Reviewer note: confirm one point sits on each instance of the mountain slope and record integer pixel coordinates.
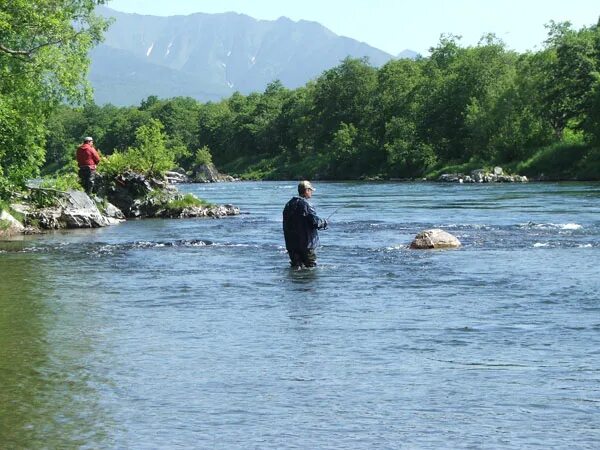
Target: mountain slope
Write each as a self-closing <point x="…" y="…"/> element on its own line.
<point x="210" y="56"/>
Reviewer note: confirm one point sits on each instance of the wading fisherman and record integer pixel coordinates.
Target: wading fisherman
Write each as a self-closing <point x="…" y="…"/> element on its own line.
<point x="300" y="225"/>
<point x="87" y="159"/>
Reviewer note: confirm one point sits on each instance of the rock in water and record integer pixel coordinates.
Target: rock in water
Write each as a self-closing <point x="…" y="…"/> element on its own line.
<point x="435" y="238"/>
<point x="208" y="173"/>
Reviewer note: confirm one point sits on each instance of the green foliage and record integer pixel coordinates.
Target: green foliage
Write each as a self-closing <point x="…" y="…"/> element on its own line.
<point x="202" y="156"/>
<point x="562" y="161"/>
<point x="64" y="182"/>
<point x="150" y="155"/>
<point x="118" y="163"/>
<point x="42" y="198"/>
<point x="154" y="158"/>
<point x="187" y="201"/>
<point x="43" y="61"/>
<point x="460" y="109"/>
<point x="407" y="156"/>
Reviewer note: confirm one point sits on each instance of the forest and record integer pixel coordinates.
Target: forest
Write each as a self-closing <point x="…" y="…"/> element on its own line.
<point x="462" y="107"/>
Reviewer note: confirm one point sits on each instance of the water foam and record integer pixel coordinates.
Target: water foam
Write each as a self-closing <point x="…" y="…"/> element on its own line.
<point x="552" y="226"/>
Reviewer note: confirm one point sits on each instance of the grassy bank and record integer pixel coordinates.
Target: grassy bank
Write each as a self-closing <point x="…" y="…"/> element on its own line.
<point x="575" y="162"/>
<point x="558" y="162"/>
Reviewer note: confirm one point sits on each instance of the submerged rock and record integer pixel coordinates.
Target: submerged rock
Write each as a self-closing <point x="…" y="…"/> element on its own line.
<point x="434" y="238"/>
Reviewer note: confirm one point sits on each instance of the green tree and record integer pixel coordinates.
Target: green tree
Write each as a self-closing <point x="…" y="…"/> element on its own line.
<point x="566" y="75"/>
<point x="343" y="151"/>
<point x="120" y="132"/>
<point x="463" y="87"/>
<point x="343" y="95"/>
<point x="180" y="117"/>
<point x="43" y="62"/>
<point x="63" y="126"/>
<point x="407" y="155"/>
<point x="398" y="101"/>
<point x="215" y="130"/>
<point x="150" y="145"/>
<point x="149" y="155"/>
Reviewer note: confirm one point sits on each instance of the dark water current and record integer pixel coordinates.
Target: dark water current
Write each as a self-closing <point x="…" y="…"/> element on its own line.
<point x="196" y="334"/>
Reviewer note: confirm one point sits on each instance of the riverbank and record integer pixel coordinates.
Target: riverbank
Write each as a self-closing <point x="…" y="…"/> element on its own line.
<point x="128" y="196"/>
<point x="558" y="162"/>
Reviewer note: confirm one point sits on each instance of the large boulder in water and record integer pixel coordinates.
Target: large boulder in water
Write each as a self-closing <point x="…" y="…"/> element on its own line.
<point x="208" y="173"/>
<point x="435" y="238"/>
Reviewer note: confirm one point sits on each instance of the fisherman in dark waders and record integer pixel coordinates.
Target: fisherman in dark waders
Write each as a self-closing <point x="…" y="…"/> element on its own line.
<point x="300" y="225"/>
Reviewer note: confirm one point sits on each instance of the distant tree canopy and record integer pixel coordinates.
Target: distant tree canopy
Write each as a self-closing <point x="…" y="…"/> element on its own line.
<point x="482" y="104"/>
<point x="43" y="62"/>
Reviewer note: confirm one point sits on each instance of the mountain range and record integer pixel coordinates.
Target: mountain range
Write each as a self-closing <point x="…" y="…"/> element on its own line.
<point x="211" y="56"/>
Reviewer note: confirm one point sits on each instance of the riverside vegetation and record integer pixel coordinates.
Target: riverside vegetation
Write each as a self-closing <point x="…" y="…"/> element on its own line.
<point x="459" y="109"/>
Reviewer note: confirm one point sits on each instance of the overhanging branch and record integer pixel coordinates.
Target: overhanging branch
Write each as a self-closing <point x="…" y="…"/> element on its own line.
<point x="12" y="52"/>
<point x="29" y="53"/>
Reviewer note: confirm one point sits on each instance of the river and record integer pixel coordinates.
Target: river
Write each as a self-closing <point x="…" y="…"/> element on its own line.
<point x="197" y="334"/>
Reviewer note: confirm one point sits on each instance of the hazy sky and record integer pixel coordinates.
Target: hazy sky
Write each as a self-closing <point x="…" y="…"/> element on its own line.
<point x="395" y="25"/>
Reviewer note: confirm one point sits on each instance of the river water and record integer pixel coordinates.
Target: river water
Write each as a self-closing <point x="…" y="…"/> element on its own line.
<point x="197" y="334"/>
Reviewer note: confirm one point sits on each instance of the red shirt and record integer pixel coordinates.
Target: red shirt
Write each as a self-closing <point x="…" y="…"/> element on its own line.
<point x="87" y="156"/>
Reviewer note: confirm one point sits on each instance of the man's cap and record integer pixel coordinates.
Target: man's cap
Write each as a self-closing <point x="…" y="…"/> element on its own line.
<point x="304" y="185"/>
<point x="88" y="138"/>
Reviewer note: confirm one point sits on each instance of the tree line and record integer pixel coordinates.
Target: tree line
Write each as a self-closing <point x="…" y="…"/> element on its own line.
<point x="461" y="107"/>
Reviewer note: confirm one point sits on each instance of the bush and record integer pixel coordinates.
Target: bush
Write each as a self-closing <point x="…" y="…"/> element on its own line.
<point x="118" y="163"/>
<point x="202" y="156"/>
<point x="187" y="201"/>
<point x="65" y="182"/>
<point x="150" y="156"/>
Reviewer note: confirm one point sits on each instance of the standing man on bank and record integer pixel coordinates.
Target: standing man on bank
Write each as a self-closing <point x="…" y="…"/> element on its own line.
<point x="87" y="159"/>
<point x="300" y="225"/>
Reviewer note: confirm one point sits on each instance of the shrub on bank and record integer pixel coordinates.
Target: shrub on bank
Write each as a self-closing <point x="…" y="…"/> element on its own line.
<point x="562" y="162"/>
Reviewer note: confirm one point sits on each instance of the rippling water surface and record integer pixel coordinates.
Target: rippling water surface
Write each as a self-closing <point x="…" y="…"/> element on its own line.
<point x="197" y="334"/>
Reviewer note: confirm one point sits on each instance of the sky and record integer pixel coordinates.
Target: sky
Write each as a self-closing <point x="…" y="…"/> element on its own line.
<point x="396" y="25"/>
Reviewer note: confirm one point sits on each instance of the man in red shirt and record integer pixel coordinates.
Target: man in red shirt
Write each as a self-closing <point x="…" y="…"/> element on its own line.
<point x="87" y="159"/>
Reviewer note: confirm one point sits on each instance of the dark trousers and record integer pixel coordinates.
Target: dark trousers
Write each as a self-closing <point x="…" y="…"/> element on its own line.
<point x="87" y="176"/>
<point x="306" y="257"/>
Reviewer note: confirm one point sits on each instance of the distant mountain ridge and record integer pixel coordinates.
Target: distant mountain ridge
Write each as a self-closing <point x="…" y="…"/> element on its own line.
<point x="210" y="56"/>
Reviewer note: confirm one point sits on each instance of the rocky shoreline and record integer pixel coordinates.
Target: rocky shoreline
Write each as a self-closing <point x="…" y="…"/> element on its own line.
<point x="129" y="196"/>
<point x="497" y="175"/>
<point x="205" y="173"/>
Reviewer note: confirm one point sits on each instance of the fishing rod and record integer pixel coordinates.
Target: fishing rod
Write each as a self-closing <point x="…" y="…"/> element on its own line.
<point x="336" y="210"/>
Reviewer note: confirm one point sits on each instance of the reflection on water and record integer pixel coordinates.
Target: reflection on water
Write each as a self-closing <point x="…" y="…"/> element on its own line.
<point x="47" y="395"/>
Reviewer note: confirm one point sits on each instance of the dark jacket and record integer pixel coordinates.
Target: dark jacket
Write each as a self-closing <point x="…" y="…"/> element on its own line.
<point x="87" y="156"/>
<point x="300" y="225"/>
